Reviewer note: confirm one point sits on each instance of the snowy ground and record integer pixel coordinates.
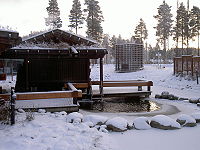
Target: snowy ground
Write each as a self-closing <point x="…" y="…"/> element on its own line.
<point x="52" y="132"/>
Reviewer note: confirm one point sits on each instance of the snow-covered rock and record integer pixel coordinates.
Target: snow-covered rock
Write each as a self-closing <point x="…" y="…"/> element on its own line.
<point x="95" y="119"/>
<point x="41" y="110"/>
<point x="21" y="111"/>
<point x="74" y="117"/>
<point x="186" y="120"/>
<point x="164" y="122"/>
<point x="194" y="100"/>
<point x="196" y="116"/>
<point x="117" y="124"/>
<point x="89" y="123"/>
<point x="103" y="129"/>
<point x="141" y="123"/>
<point x="165" y="94"/>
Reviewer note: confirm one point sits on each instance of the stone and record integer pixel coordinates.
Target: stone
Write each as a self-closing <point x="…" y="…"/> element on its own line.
<point x="182" y="99"/>
<point x="165" y="94"/>
<point x="194" y="100"/>
<point x="141" y="123"/>
<point x="196" y="116"/>
<point x="186" y="121"/>
<point x="95" y="119"/>
<point x="164" y="122"/>
<point x="117" y="124"/>
<point x="157" y="96"/>
<point x="171" y="97"/>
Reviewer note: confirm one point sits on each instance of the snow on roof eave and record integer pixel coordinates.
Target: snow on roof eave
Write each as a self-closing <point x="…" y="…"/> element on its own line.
<point x="8" y="30"/>
<point x="41" y="33"/>
<point x="129" y="43"/>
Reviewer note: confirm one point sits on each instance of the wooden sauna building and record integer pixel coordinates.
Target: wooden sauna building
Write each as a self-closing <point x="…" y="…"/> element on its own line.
<point x="53" y="58"/>
<point x="129" y="57"/>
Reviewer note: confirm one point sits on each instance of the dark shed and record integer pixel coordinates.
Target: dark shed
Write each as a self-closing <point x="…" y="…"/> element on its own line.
<point x="53" y="58"/>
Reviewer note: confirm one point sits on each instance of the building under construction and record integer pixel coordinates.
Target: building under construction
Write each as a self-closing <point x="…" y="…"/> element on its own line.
<point x="129" y="57"/>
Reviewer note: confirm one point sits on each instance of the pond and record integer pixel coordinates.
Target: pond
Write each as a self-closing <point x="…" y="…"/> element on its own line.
<point x="128" y="105"/>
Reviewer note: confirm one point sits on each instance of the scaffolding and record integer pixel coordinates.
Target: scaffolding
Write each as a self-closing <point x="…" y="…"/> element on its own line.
<point x="129" y="57"/>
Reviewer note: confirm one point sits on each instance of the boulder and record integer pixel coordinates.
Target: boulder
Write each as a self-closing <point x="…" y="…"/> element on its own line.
<point x="141" y="123"/>
<point x="157" y="96"/>
<point x="117" y="124"/>
<point x="182" y="99"/>
<point x="186" y="121"/>
<point x="95" y="119"/>
<point x="165" y="94"/>
<point x="194" y="100"/>
<point x="164" y="122"/>
<point x="196" y="116"/>
<point x="74" y="117"/>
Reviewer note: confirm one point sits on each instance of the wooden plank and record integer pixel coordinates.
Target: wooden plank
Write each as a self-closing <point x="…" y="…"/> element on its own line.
<point x="116" y="83"/>
<point x="5" y="96"/>
<point x="47" y="95"/>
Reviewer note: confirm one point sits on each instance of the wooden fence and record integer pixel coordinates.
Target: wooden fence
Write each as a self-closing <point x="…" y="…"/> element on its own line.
<point x="187" y="65"/>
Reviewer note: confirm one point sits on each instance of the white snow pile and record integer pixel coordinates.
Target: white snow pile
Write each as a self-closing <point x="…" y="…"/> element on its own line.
<point x="117" y="124"/>
<point x="141" y="123"/>
<point x="51" y="132"/>
<point x="95" y="119"/>
<point x="164" y="122"/>
<point x="196" y="116"/>
<point x="186" y="120"/>
<point x="74" y="117"/>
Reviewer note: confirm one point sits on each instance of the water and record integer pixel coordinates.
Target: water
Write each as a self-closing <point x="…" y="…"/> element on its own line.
<point x="127" y="105"/>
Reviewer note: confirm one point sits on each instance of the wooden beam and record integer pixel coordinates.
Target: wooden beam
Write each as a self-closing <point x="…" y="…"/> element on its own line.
<point x="48" y="95"/>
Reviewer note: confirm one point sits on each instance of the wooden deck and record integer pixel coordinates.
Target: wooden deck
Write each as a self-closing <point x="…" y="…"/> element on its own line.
<point x="119" y="88"/>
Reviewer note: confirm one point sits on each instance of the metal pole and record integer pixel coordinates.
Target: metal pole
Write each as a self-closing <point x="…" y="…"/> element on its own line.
<point x="12" y="116"/>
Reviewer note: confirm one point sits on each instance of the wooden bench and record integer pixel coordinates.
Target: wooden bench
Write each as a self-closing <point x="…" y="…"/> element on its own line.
<point x="125" y="83"/>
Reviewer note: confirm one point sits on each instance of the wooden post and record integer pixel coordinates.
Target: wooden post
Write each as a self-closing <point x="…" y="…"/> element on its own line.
<point x="12" y="103"/>
<point x="27" y="79"/>
<point x="101" y="76"/>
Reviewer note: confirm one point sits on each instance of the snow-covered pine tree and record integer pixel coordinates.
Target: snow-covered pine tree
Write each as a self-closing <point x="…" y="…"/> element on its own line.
<point x="195" y="24"/>
<point x="141" y="32"/>
<point x="181" y="27"/>
<point x="164" y="26"/>
<point x="94" y="20"/>
<point x="53" y="20"/>
<point x="76" y="18"/>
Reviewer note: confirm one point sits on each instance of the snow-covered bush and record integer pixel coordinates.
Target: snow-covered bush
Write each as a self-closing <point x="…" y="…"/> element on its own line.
<point x="74" y="117"/>
<point x="141" y="123"/>
<point x="186" y="120"/>
<point x="30" y="115"/>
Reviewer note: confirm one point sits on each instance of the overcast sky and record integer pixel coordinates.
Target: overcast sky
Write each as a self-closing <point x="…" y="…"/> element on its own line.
<point x="121" y="16"/>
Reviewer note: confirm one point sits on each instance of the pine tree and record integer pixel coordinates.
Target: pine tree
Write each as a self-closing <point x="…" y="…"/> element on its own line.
<point x="53" y="11"/>
<point x="76" y="16"/>
<point x="181" y="29"/>
<point x="94" y="19"/>
<point x="141" y="32"/>
<point x="164" y="26"/>
<point x="195" y="23"/>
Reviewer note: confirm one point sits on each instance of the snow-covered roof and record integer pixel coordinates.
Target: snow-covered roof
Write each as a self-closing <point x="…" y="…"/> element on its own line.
<point x="64" y="34"/>
<point x="7" y="29"/>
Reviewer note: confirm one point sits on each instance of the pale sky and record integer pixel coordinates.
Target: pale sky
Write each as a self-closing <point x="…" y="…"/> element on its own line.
<point x="121" y="16"/>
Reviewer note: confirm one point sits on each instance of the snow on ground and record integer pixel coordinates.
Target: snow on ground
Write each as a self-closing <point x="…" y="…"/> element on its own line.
<point x="52" y="132"/>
